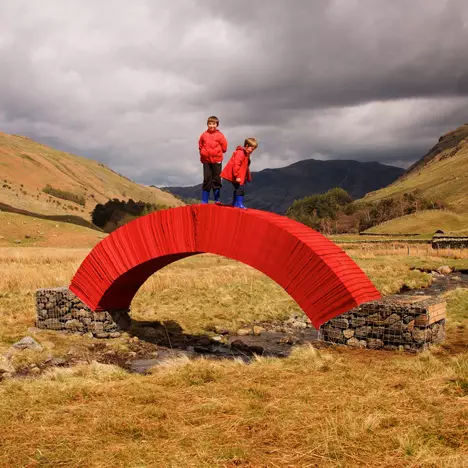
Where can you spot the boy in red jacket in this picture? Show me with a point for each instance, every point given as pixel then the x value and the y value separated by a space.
pixel 237 170
pixel 212 144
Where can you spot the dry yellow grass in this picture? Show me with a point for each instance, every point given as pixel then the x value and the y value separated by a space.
pixel 36 232
pixel 314 409
pixel 197 292
pixel 327 408
pixel 398 251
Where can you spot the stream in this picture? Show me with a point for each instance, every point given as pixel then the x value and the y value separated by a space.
pixel 275 340
pixel 152 344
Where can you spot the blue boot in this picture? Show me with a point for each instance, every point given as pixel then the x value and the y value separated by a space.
pixel 239 202
pixel 205 197
pixel 217 195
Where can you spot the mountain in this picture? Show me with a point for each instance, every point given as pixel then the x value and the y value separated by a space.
pixel 276 189
pixel 37 179
pixel 440 175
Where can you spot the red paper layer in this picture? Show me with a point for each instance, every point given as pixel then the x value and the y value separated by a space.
pixel 318 275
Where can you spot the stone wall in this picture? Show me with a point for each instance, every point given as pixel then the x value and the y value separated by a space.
pixel 60 309
pixel 409 323
pixel 449 242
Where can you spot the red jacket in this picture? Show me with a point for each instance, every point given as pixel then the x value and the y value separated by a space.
pixel 212 145
pixel 238 167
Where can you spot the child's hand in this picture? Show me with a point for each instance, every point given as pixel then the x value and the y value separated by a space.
pixel 238 180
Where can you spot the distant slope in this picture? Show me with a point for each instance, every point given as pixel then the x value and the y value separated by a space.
pixel 422 222
pixel 17 230
pixel 276 189
pixel 447 146
pixel 440 175
pixel 67 218
pixel 27 167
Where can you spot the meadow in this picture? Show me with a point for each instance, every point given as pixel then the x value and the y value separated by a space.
pixel 325 407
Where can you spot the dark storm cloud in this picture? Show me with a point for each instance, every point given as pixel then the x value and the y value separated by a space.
pixel 131 84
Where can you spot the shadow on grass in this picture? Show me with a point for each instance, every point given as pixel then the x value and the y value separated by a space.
pixel 169 334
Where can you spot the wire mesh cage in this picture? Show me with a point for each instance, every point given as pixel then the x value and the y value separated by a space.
pixel 60 309
pixel 408 323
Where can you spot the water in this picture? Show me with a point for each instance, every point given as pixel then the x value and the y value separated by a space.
pixel 172 343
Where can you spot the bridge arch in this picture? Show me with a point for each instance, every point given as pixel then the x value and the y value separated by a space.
pixel 316 273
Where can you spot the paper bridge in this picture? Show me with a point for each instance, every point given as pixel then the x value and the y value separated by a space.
pixel 316 273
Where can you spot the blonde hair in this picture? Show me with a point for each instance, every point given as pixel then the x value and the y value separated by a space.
pixel 252 142
pixel 214 119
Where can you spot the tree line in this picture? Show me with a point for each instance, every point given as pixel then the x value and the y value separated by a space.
pixel 335 211
pixel 115 213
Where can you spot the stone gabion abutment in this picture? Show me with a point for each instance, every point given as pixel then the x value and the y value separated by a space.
pixel 60 309
pixel 410 323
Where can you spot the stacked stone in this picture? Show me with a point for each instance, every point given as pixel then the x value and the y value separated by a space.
pixel 397 322
pixel 60 309
pixel 448 242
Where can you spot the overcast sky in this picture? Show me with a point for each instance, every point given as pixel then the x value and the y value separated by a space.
pixel 132 83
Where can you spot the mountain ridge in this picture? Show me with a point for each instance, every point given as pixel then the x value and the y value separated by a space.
pixel 448 145
pixel 440 175
pixel 275 189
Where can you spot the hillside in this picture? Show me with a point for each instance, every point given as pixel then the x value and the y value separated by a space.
pixel 28 167
pixel 17 230
pixel 424 222
pixel 440 175
pixel 276 189
pixel 446 147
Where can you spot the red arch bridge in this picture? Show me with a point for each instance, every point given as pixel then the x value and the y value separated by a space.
pixel 317 274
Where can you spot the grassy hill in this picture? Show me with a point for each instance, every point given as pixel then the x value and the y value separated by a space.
pixel 422 222
pixel 440 175
pixel 74 184
pixel 18 230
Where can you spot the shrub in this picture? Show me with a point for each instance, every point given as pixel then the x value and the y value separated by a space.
pixel 64 195
pixel 335 212
pixel 322 211
pixel 115 213
pixel 372 214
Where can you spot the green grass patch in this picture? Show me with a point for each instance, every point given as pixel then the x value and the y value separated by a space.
pixel 457 305
pixel 422 222
pixel 30 159
pixel 64 195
